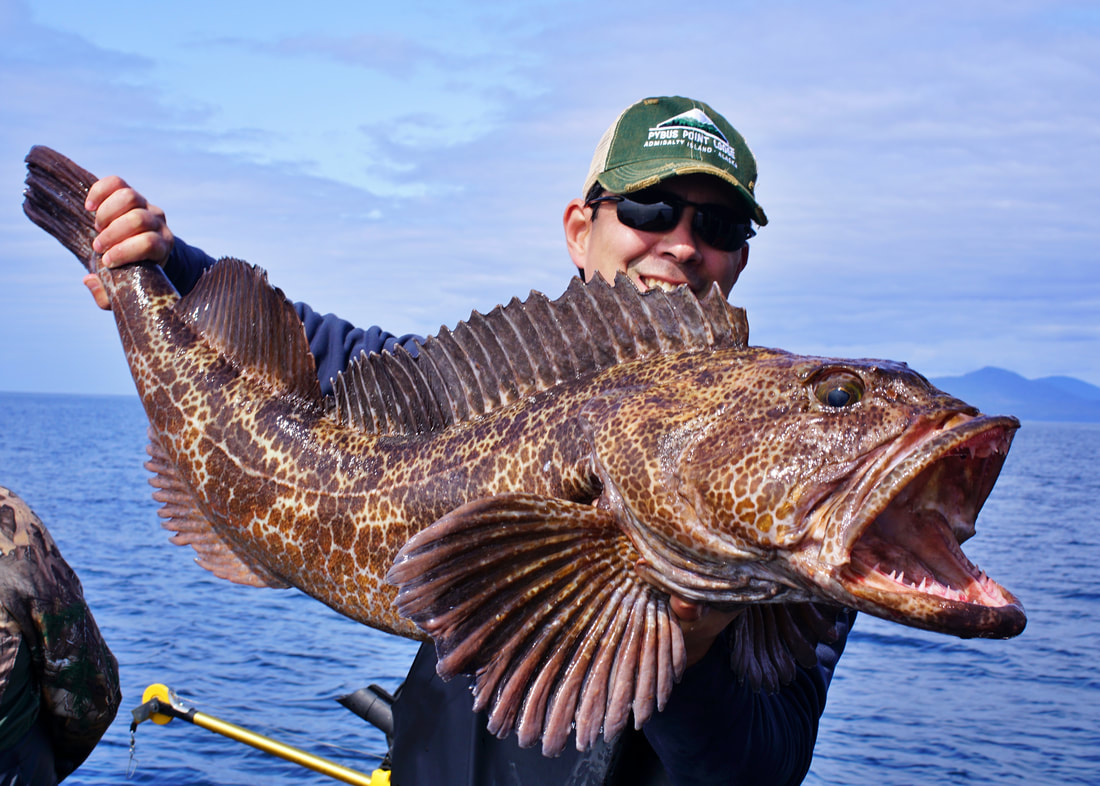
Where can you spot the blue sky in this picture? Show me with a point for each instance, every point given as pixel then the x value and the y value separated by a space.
pixel 930 169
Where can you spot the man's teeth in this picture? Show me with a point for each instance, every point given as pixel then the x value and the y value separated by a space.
pixel 658 283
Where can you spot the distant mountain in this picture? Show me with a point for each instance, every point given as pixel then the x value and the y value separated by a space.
pixel 1074 387
pixel 999 392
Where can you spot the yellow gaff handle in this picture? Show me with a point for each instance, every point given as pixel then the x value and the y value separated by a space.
pixel 160 704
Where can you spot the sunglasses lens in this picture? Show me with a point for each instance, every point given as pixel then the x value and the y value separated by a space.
pixel 653 217
pixel 716 225
pixel 719 228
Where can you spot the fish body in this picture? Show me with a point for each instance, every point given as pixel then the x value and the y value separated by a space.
pixel 530 489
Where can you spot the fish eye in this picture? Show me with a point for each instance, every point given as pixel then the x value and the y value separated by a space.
pixel 837 388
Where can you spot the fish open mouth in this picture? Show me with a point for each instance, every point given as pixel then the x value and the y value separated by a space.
pixel 905 560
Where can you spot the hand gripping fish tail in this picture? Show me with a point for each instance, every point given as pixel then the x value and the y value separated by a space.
pixel 530 500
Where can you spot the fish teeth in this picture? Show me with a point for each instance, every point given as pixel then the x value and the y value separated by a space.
pixel 950 593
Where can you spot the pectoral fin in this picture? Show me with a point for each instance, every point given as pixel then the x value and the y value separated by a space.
pixel 769 641
pixel 537 598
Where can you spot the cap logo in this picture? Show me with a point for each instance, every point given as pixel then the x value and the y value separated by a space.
pixel 694 130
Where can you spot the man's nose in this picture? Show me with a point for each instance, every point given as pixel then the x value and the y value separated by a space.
pixel 681 242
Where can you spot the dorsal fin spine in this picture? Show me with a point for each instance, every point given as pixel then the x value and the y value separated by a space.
pixel 446 365
pixel 443 391
pixel 499 359
pixel 656 314
pixel 368 394
pixel 460 362
pixel 481 362
pixel 419 392
pixel 543 370
pixel 403 418
pixel 598 335
pixel 368 387
pixel 389 409
pixel 704 330
pixel 611 311
pixel 347 408
pixel 362 409
pixel 404 393
pixel 549 329
pixel 511 346
pixel 574 332
pixel 513 317
pixel 524 348
pixel 420 389
pixel 584 336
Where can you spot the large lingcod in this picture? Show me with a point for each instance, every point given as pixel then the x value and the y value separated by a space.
pixel 531 488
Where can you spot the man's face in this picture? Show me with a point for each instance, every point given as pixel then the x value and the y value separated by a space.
pixel 655 259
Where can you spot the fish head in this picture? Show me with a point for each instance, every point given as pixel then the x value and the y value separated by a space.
pixel 776 477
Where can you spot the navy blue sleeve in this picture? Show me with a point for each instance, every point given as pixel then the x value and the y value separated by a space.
pixel 716 731
pixel 185 266
pixel 333 341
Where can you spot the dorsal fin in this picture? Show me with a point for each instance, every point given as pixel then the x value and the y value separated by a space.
pixel 253 325
pixel 525 347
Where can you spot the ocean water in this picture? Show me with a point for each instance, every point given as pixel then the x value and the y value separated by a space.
pixel 906 707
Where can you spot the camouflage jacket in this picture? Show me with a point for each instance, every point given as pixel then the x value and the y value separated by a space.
pixel 42 607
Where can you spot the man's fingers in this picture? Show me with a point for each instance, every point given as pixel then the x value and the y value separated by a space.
pixel 146 246
pixel 95 286
pixel 101 189
pixel 700 624
pixel 119 204
pixel 129 224
pixel 130 229
pixel 685 610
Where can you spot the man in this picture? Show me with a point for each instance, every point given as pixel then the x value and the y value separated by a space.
pixel 59 686
pixel 669 200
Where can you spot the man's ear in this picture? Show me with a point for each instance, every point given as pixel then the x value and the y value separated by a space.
pixel 577 222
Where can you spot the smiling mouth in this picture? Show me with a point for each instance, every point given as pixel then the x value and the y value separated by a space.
pixel 659 283
pixel 906 563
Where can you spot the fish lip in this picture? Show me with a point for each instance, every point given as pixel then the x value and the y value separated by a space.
pixel 915 514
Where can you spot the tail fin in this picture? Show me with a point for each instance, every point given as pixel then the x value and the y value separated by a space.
pixel 54 199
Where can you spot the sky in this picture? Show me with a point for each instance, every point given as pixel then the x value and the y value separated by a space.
pixel 930 170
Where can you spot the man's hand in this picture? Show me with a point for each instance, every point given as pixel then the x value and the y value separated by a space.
pixel 701 625
pixel 130 230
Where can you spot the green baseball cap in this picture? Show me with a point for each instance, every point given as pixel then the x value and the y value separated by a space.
pixel 659 138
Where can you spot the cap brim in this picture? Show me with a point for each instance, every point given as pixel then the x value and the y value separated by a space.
pixel 628 178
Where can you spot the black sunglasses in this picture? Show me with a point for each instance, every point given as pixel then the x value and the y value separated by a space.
pixel 718 226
